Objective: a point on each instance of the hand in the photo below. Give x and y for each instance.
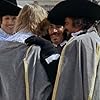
(35, 40)
(47, 48)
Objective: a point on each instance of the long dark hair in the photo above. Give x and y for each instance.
(85, 23)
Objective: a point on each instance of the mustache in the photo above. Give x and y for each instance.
(65, 30)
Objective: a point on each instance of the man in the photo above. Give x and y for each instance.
(8, 13)
(78, 76)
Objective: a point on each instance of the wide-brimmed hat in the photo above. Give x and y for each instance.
(9, 7)
(74, 8)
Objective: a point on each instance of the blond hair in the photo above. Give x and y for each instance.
(29, 18)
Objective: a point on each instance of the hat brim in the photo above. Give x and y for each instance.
(93, 11)
(7, 8)
(73, 9)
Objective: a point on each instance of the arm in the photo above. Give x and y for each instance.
(49, 55)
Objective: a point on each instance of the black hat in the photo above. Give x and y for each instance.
(9, 7)
(74, 8)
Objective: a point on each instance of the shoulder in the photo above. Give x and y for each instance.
(19, 37)
(88, 40)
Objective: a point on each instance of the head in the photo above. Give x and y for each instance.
(8, 23)
(8, 13)
(79, 15)
(30, 17)
(73, 24)
(56, 33)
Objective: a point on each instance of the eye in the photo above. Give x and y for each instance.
(66, 23)
(6, 18)
(51, 26)
(14, 18)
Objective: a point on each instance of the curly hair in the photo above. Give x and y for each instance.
(30, 17)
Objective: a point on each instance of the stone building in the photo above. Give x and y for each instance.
(47, 4)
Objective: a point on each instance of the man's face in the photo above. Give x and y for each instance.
(56, 33)
(8, 23)
(69, 25)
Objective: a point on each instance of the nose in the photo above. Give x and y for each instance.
(11, 21)
(55, 30)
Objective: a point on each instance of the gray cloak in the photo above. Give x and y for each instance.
(22, 76)
(78, 75)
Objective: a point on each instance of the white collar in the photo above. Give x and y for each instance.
(61, 44)
(4, 34)
(76, 33)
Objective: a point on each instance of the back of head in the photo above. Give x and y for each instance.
(29, 17)
(42, 28)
